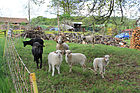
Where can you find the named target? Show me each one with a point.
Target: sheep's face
(68, 52)
(59, 52)
(107, 58)
(60, 40)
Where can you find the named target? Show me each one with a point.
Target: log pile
(98, 39)
(76, 38)
(34, 34)
(108, 40)
(135, 39)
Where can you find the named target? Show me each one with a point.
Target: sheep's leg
(49, 67)
(58, 69)
(95, 69)
(101, 71)
(34, 59)
(41, 62)
(70, 67)
(102, 75)
(37, 63)
(104, 71)
(53, 69)
(84, 67)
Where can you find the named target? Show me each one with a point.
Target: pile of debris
(135, 40)
(108, 40)
(77, 38)
(97, 39)
(34, 34)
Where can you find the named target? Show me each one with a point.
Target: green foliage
(40, 20)
(65, 17)
(122, 73)
(67, 6)
(23, 23)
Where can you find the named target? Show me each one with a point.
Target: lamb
(37, 53)
(101, 63)
(55, 60)
(73, 58)
(61, 45)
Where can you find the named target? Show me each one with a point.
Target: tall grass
(5, 78)
(122, 73)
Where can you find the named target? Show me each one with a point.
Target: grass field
(6, 85)
(122, 73)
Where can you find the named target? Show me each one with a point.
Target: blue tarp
(54, 29)
(123, 36)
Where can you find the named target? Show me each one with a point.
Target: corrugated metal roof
(77, 22)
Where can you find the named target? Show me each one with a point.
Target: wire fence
(24, 81)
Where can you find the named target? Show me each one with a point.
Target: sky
(17, 9)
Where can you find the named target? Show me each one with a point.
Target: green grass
(122, 73)
(6, 85)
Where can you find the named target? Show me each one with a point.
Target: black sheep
(37, 53)
(37, 49)
(30, 42)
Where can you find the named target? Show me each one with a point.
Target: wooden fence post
(33, 80)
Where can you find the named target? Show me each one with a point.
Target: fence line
(24, 81)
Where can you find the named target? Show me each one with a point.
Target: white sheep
(73, 58)
(101, 63)
(55, 60)
(61, 45)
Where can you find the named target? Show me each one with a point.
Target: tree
(102, 10)
(99, 10)
(37, 2)
(66, 6)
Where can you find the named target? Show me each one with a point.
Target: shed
(77, 26)
(66, 27)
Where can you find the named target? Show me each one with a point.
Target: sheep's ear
(70, 52)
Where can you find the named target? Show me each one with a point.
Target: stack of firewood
(76, 38)
(34, 34)
(135, 39)
(108, 40)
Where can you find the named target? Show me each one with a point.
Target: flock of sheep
(55, 58)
